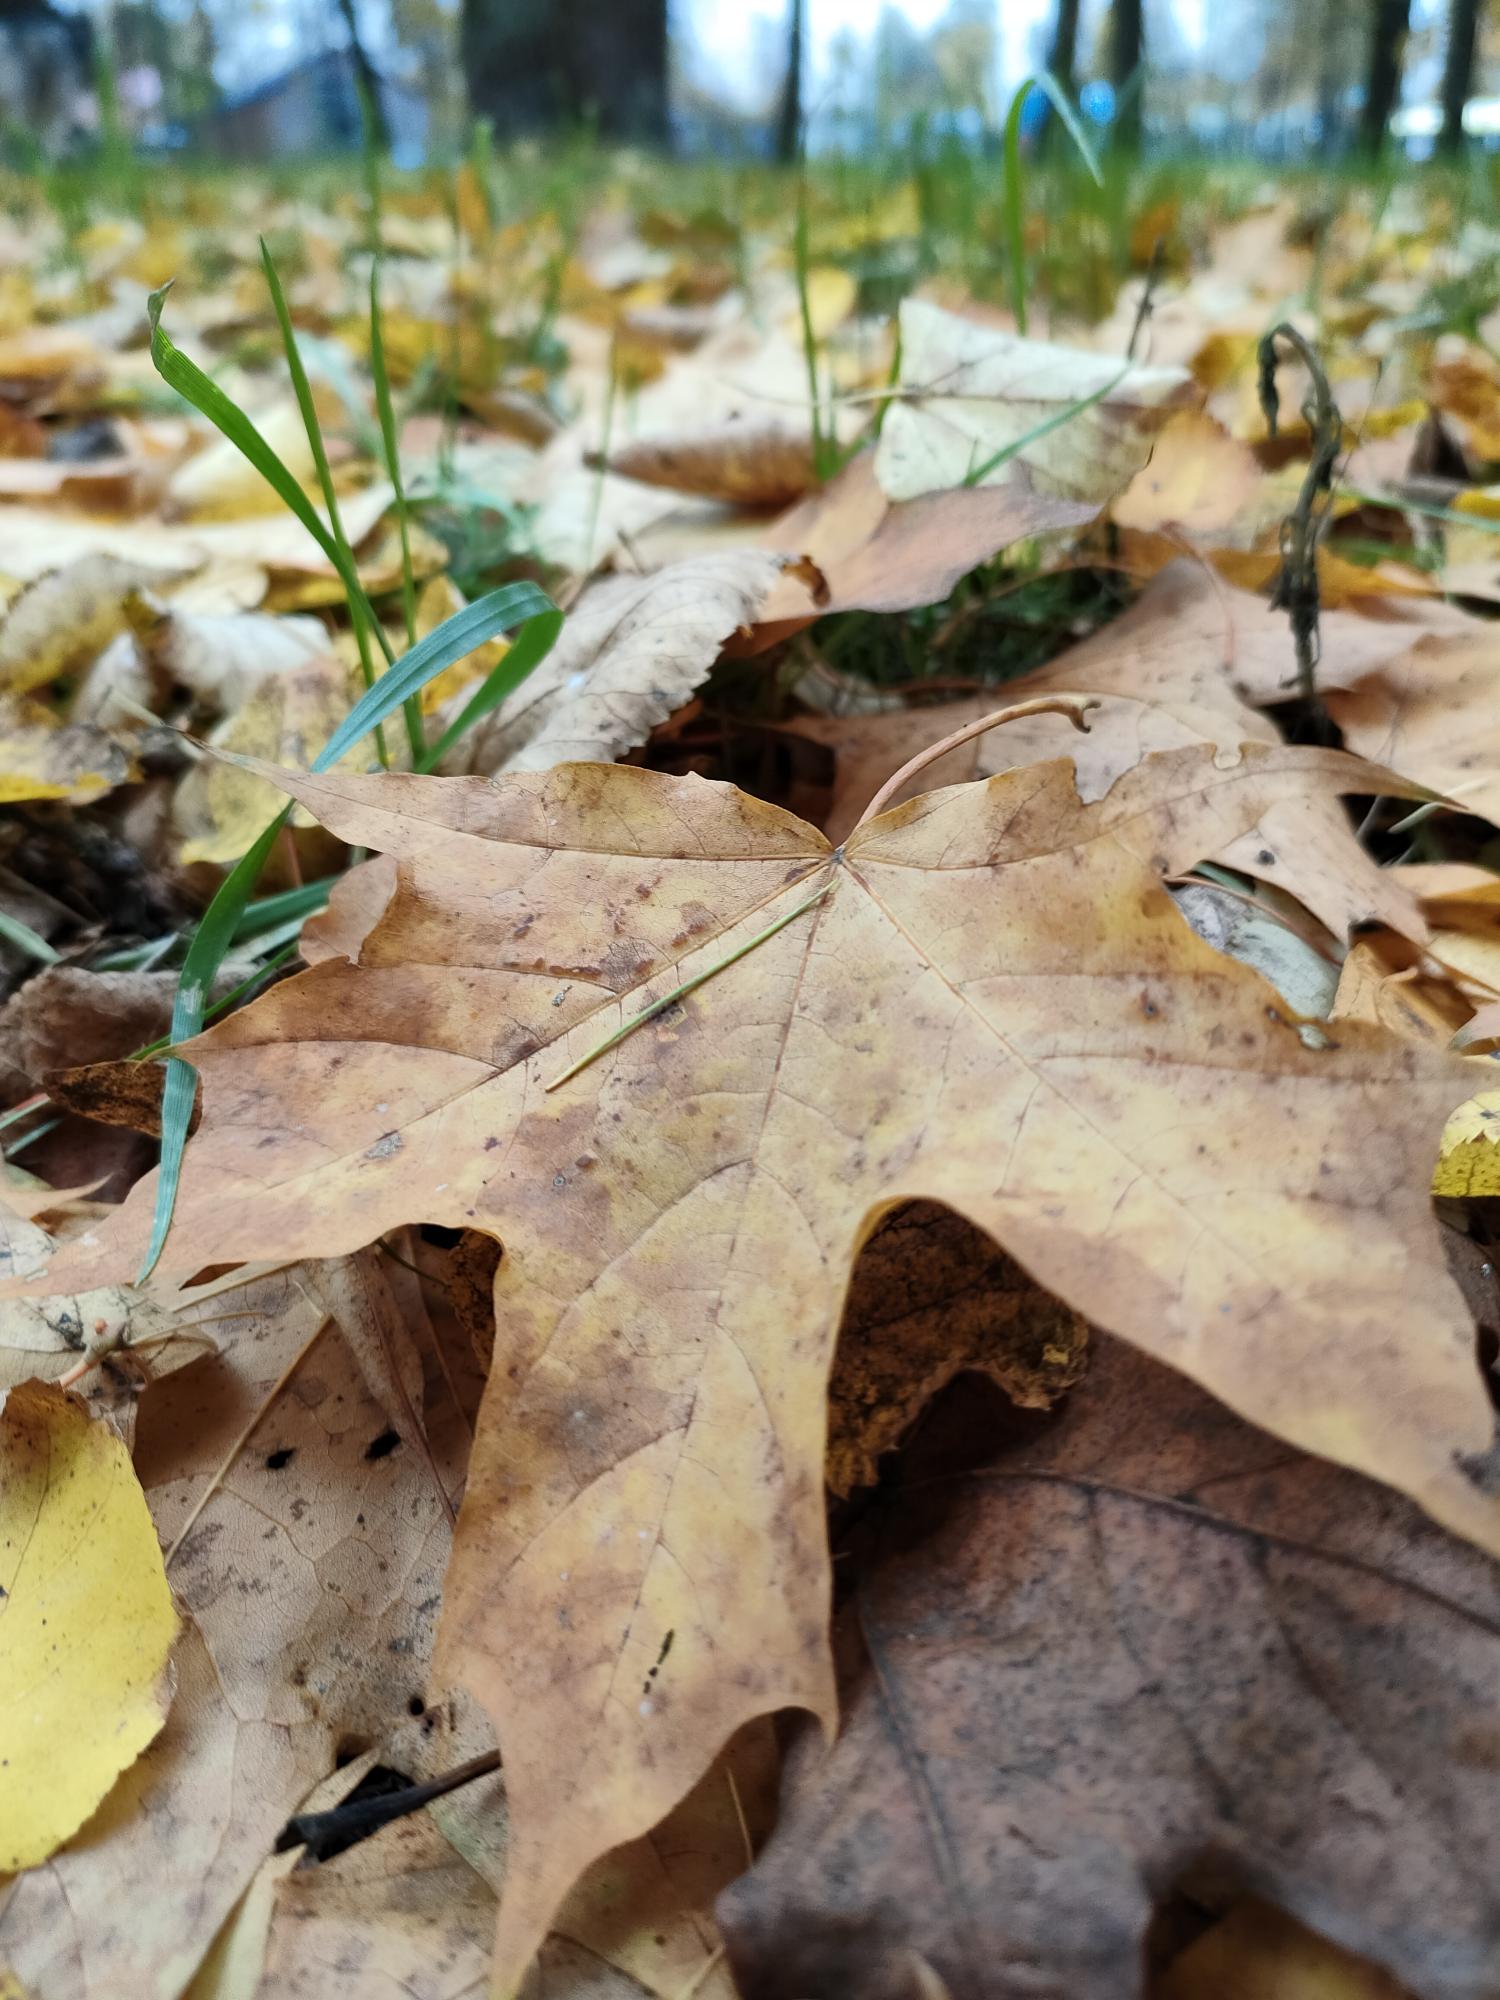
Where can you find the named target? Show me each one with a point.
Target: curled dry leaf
(1197, 479)
(874, 554)
(755, 464)
(221, 807)
(1147, 1646)
(67, 616)
(222, 658)
(986, 997)
(43, 758)
(968, 394)
(633, 650)
(86, 1620)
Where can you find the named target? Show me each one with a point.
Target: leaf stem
(1074, 706)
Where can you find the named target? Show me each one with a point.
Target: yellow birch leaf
(86, 1620)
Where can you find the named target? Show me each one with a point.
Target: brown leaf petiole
(1075, 707)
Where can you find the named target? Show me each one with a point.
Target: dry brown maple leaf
(1174, 669)
(1148, 1642)
(993, 1002)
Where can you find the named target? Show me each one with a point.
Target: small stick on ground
(325, 1834)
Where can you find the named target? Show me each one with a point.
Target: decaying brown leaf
(633, 650)
(930, 1297)
(754, 464)
(875, 554)
(986, 997)
(307, 1553)
(1150, 1649)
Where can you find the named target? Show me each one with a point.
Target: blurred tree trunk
(789, 122)
(1062, 59)
(1127, 47)
(369, 83)
(1458, 72)
(1389, 21)
(534, 63)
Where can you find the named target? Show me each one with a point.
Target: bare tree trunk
(1458, 72)
(533, 63)
(1127, 48)
(369, 83)
(1389, 22)
(1063, 58)
(789, 121)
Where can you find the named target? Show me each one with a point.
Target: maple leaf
(1182, 666)
(985, 997)
(1147, 1639)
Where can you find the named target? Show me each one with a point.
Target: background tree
(364, 70)
(533, 63)
(1062, 57)
(789, 117)
(1389, 22)
(1458, 71)
(1127, 48)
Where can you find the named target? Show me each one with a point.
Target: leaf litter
(569, 1348)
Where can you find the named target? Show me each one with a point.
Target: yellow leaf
(86, 1624)
(1198, 478)
(1470, 1151)
(830, 300)
(40, 759)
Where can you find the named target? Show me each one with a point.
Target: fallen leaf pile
(829, 1328)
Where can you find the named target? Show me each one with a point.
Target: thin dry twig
(1296, 587)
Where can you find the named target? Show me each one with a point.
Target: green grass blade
(530, 647)
(1015, 235)
(226, 416)
(24, 938)
(205, 955)
(801, 260)
(387, 415)
(1047, 425)
(269, 911)
(361, 615)
(512, 605)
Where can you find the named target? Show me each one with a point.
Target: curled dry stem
(1075, 707)
(1296, 587)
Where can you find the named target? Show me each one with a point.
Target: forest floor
(826, 854)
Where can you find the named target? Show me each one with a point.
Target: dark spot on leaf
(384, 1445)
(283, 1456)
